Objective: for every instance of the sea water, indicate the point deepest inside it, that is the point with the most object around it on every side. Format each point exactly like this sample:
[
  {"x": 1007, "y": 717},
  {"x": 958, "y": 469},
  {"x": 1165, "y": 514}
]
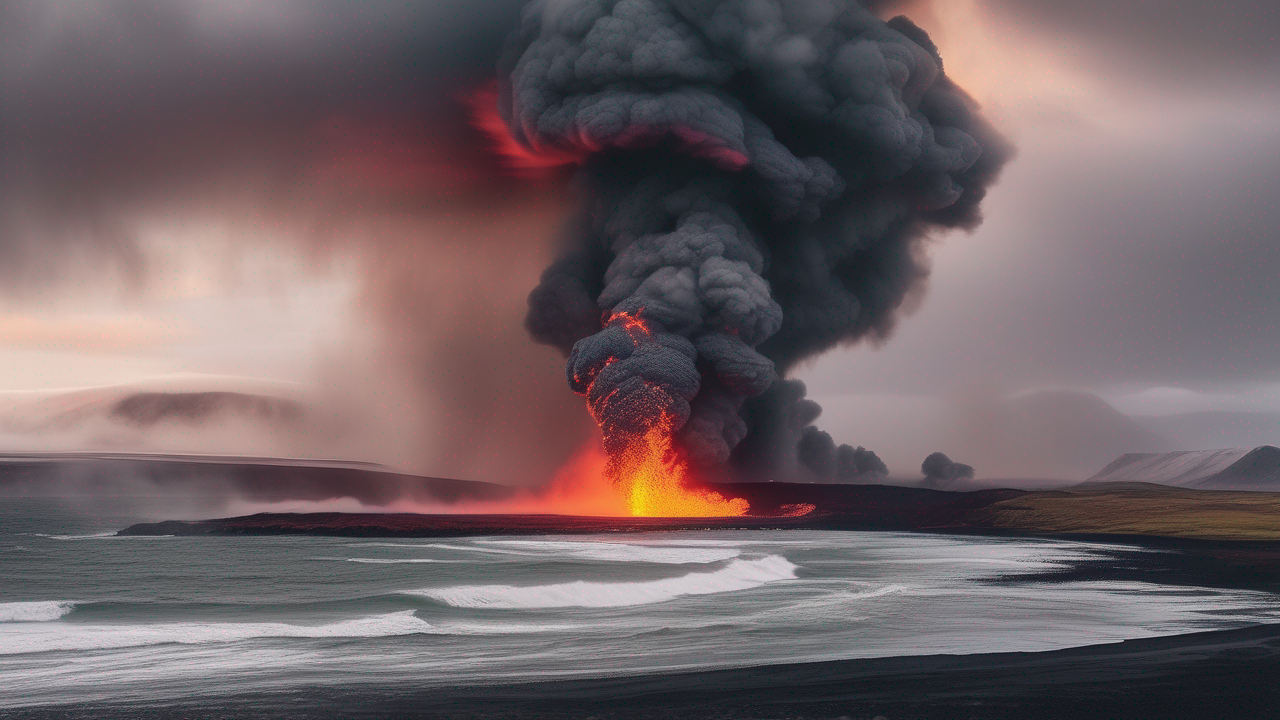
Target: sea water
[{"x": 89, "y": 617}]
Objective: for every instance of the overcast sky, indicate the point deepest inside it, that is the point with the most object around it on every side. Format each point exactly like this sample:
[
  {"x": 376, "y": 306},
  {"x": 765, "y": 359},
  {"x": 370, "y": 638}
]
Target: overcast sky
[{"x": 226, "y": 189}]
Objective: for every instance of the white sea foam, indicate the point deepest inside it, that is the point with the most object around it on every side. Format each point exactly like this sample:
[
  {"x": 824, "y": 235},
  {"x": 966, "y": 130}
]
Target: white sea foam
[
  {"x": 110, "y": 535},
  {"x": 394, "y": 561},
  {"x": 737, "y": 575},
  {"x": 40, "y": 611},
  {"x": 581, "y": 550},
  {"x": 16, "y": 639},
  {"x": 614, "y": 552}
]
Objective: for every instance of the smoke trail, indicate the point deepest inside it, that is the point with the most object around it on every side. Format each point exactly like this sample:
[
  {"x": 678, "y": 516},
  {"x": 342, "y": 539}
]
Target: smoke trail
[
  {"x": 938, "y": 469},
  {"x": 759, "y": 178}
]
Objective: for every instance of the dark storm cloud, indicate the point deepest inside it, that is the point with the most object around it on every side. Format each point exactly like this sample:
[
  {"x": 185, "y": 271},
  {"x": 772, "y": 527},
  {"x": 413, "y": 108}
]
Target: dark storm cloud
[
  {"x": 329, "y": 124},
  {"x": 113, "y": 108}
]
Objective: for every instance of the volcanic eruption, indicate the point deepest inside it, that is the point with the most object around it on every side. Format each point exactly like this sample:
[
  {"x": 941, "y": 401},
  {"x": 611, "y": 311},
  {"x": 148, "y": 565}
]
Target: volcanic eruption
[{"x": 757, "y": 179}]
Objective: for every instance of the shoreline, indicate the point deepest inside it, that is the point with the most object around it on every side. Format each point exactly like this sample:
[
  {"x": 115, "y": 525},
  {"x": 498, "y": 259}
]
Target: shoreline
[
  {"x": 1145, "y": 515},
  {"x": 1223, "y": 673}
]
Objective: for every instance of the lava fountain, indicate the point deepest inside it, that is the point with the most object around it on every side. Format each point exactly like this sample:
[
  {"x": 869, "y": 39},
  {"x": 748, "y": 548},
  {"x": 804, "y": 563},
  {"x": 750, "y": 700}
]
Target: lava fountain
[
  {"x": 653, "y": 480},
  {"x": 643, "y": 463}
]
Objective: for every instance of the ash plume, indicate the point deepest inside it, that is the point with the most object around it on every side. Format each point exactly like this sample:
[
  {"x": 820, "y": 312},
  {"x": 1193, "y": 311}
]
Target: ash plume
[{"x": 758, "y": 178}]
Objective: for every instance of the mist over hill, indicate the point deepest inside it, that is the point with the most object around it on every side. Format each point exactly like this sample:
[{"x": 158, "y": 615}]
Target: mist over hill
[
  {"x": 1211, "y": 429},
  {"x": 201, "y": 415}
]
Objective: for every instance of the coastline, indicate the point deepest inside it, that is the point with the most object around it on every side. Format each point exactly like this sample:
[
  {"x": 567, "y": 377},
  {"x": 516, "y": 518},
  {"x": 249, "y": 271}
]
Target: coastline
[
  {"x": 1225, "y": 673},
  {"x": 1125, "y": 513}
]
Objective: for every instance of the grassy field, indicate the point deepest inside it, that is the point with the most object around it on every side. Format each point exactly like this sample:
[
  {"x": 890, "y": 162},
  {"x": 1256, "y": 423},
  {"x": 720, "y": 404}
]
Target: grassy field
[{"x": 1140, "y": 509}]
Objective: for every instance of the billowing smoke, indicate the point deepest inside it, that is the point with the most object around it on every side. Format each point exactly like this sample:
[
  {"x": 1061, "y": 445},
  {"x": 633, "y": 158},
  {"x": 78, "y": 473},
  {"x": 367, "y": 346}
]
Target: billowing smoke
[
  {"x": 758, "y": 179},
  {"x": 940, "y": 470}
]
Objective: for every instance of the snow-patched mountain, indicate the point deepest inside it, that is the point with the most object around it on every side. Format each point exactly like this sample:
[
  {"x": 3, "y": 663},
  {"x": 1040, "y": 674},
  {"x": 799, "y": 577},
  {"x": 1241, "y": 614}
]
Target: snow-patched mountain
[{"x": 1225, "y": 469}]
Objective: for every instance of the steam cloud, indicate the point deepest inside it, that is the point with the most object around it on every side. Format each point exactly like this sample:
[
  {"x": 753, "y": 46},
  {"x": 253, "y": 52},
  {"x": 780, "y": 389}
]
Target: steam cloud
[{"x": 758, "y": 178}]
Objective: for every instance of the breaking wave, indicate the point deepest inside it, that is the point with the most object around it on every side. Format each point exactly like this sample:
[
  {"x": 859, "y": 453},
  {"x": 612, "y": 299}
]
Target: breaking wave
[
  {"x": 62, "y": 636},
  {"x": 582, "y": 550},
  {"x": 40, "y": 611},
  {"x": 395, "y": 561},
  {"x": 737, "y": 575}
]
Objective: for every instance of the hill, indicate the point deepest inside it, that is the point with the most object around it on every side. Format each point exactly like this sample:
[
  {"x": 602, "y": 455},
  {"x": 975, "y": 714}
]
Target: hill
[
  {"x": 248, "y": 478},
  {"x": 1225, "y": 469}
]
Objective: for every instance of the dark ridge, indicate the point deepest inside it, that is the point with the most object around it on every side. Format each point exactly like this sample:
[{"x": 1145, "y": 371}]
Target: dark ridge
[
  {"x": 1121, "y": 514},
  {"x": 1259, "y": 469},
  {"x": 836, "y": 507},
  {"x": 257, "y": 479}
]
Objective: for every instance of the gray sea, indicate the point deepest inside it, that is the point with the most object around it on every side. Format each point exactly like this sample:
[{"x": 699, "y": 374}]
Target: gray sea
[{"x": 89, "y": 617}]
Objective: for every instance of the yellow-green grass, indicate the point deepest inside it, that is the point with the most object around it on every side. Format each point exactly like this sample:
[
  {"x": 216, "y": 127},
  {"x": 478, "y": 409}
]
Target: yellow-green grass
[{"x": 1134, "y": 509}]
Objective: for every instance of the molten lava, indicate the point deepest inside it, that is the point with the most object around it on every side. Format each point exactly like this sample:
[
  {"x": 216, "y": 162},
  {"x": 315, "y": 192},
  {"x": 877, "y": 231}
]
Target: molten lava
[
  {"x": 652, "y": 480},
  {"x": 645, "y": 468}
]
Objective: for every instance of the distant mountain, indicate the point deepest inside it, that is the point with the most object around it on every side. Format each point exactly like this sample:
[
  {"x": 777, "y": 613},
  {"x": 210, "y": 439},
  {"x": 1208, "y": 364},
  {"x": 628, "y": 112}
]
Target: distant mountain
[
  {"x": 1047, "y": 434},
  {"x": 1224, "y": 469},
  {"x": 1258, "y": 470}
]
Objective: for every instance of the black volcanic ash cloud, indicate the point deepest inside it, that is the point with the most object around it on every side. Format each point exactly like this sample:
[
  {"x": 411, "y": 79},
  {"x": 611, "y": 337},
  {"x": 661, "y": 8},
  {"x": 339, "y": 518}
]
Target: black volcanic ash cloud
[{"x": 759, "y": 176}]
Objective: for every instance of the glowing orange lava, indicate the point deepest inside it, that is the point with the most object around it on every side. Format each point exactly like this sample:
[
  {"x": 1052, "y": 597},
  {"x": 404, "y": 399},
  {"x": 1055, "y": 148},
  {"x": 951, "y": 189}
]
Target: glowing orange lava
[
  {"x": 653, "y": 481},
  {"x": 646, "y": 474}
]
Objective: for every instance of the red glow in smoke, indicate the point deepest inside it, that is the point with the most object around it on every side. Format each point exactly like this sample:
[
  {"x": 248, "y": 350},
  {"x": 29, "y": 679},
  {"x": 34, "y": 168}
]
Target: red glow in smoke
[
  {"x": 702, "y": 145},
  {"x": 516, "y": 158},
  {"x": 646, "y": 470},
  {"x": 524, "y": 162}
]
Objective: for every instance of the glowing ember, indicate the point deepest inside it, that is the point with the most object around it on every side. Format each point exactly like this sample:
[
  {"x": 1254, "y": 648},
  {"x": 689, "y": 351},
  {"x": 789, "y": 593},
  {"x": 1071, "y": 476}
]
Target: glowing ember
[{"x": 653, "y": 481}]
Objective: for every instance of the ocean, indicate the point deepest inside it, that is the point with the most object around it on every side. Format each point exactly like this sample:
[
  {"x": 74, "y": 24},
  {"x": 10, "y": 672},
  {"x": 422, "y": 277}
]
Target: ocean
[{"x": 86, "y": 617}]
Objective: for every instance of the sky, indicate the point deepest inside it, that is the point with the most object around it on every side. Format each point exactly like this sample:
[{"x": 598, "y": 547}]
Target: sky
[{"x": 224, "y": 193}]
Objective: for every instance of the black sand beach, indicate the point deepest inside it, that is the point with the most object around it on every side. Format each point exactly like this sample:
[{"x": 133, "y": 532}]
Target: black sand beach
[
  {"x": 1223, "y": 674},
  {"x": 1219, "y": 674}
]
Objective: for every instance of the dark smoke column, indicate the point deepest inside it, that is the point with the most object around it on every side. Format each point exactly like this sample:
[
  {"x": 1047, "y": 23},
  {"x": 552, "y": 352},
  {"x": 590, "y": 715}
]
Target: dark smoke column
[{"x": 757, "y": 179}]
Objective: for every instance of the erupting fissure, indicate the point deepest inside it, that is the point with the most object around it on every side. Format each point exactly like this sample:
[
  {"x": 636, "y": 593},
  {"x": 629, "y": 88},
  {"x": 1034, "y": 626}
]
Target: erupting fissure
[
  {"x": 643, "y": 463},
  {"x": 653, "y": 480}
]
